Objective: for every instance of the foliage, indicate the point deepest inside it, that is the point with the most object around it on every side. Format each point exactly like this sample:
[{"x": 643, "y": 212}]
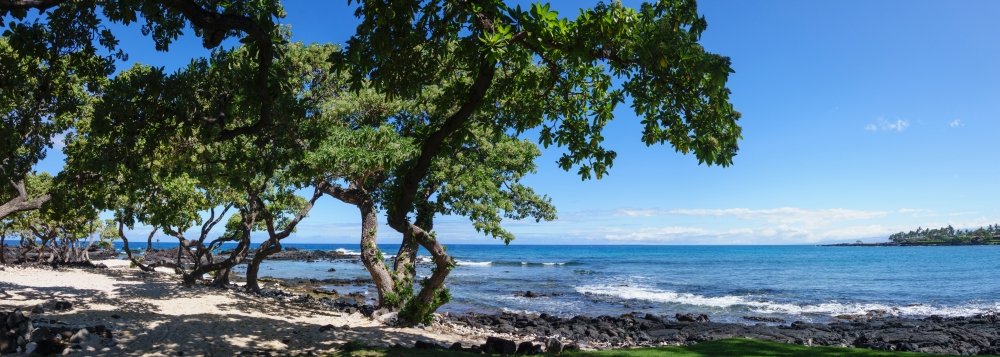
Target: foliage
[
  {"x": 949, "y": 235},
  {"x": 480, "y": 71}
]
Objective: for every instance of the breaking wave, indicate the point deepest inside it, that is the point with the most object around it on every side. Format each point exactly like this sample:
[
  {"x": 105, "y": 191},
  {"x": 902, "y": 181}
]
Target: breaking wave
[{"x": 772, "y": 307}]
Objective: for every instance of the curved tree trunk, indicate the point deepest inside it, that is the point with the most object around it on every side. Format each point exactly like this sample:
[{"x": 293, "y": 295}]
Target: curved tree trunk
[
  {"x": 234, "y": 258},
  {"x": 433, "y": 293},
  {"x": 372, "y": 256},
  {"x": 267, "y": 248}
]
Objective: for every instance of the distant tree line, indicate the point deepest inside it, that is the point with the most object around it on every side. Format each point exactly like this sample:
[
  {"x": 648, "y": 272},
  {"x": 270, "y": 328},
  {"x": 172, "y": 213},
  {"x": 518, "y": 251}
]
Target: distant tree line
[{"x": 949, "y": 235}]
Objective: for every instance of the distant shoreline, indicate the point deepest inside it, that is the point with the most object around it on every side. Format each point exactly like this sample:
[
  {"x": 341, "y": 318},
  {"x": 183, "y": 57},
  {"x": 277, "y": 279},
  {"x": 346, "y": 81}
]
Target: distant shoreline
[{"x": 911, "y": 244}]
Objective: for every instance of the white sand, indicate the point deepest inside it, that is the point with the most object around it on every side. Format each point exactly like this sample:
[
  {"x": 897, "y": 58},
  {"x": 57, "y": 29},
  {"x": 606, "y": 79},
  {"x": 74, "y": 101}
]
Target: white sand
[{"x": 157, "y": 316}]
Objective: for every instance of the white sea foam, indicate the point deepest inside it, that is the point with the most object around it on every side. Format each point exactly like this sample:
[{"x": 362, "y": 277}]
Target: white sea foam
[
  {"x": 771, "y": 307},
  {"x": 343, "y": 251},
  {"x": 473, "y": 264}
]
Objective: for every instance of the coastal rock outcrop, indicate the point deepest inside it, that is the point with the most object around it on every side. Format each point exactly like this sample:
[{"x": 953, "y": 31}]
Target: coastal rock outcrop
[
  {"x": 47, "y": 337},
  {"x": 973, "y": 335}
]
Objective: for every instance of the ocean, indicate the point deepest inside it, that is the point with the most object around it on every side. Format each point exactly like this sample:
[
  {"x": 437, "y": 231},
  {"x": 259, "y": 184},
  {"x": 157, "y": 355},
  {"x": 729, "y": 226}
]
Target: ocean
[{"x": 728, "y": 283}]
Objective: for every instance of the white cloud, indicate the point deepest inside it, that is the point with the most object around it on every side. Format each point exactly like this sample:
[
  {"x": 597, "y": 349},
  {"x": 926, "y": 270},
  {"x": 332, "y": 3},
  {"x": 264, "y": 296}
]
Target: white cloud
[
  {"x": 650, "y": 234},
  {"x": 627, "y": 212},
  {"x": 956, "y": 123},
  {"x": 881, "y": 124},
  {"x": 783, "y": 225},
  {"x": 784, "y": 215}
]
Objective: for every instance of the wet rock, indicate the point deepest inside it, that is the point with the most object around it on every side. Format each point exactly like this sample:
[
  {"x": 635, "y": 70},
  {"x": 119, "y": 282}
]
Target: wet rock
[
  {"x": 691, "y": 318},
  {"x": 765, "y": 319}
]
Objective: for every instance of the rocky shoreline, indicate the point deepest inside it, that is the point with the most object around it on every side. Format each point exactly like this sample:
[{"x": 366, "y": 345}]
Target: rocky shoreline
[
  {"x": 514, "y": 332},
  {"x": 973, "y": 335}
]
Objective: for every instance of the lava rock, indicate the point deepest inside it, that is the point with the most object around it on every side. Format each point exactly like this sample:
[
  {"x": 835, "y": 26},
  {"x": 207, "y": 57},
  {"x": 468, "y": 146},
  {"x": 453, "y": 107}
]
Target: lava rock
[
  {"x": 62, "y": 305},
  {"x": 499, "y": 345},
  {"x": 691, "y": 318},
  {"x": 553, "y": 346},
  {"x": 423, "y": 345}
]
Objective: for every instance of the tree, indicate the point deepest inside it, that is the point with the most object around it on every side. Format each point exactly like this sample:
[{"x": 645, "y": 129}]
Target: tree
[
  {"x": 141, "y": 157},
  {"x": 360, "y": 150},
  {"x": 49, "y": 63},
  {"x": 509, "y": 70}
]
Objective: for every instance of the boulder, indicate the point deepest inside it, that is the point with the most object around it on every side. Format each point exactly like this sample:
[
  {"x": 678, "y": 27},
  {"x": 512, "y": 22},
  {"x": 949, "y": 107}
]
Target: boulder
[
  {"x": 499, "y": 346},
  {"x": 525, "y": 347},
  {"x": 553, "y": 346}
]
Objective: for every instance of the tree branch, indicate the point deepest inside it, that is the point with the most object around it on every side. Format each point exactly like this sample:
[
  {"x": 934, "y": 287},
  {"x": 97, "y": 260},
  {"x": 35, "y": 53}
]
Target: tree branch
[
  {"x": 21, "y": 202},
  {"x": 432, "y": 146}
]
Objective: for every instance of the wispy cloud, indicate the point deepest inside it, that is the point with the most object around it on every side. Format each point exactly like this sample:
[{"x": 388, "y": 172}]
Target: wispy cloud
[
  {"x": 782, "y": 215},
  {"x": 783, "y": 225},
  {"x": 881, "y": 124},
  {"x": 956, "y": 123}
]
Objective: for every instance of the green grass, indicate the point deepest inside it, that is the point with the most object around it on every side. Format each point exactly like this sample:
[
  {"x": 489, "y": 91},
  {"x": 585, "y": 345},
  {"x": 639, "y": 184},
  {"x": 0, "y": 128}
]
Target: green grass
[{"x": 721, "y": 348}]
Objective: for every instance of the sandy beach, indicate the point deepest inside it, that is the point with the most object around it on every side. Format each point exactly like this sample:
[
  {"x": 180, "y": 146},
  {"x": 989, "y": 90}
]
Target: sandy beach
[{"x": 151, "y": 314}]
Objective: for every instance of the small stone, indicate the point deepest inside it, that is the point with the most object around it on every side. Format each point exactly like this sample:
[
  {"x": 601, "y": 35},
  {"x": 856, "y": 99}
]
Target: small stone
[
  {"x": 30, "y": 348},
  {"x": 80, "y": 336},
  {"x": 62, "y": 305},
  {"x": 325, "y": 328}
]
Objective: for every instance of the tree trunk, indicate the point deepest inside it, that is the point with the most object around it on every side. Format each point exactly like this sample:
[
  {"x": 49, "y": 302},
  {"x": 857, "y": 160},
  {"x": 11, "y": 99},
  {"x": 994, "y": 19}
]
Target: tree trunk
[
  {"x": 372, "y": 256},
  {"x": 405, "y": 268},
  {"x": 267, "y": 248},
  {"x": 234, "y": 258},
  {"x": 433, "y": 293},
  {"x": 3, "y": 249}
]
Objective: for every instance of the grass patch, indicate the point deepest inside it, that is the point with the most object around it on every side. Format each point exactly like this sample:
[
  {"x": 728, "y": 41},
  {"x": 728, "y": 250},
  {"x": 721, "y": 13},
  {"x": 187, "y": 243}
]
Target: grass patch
[{"x": 736, "y": 347}]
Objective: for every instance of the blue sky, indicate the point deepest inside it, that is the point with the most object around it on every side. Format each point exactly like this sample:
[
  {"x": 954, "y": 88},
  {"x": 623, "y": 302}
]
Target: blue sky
[{"x": 860, "y": 118}]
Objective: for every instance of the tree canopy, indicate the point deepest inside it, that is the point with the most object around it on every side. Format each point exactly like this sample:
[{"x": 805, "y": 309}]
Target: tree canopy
[{"x": 425, "y": 112}]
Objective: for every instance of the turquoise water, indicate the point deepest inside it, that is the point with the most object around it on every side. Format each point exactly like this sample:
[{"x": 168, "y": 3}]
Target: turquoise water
[{"x": 809, "y": 283}]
